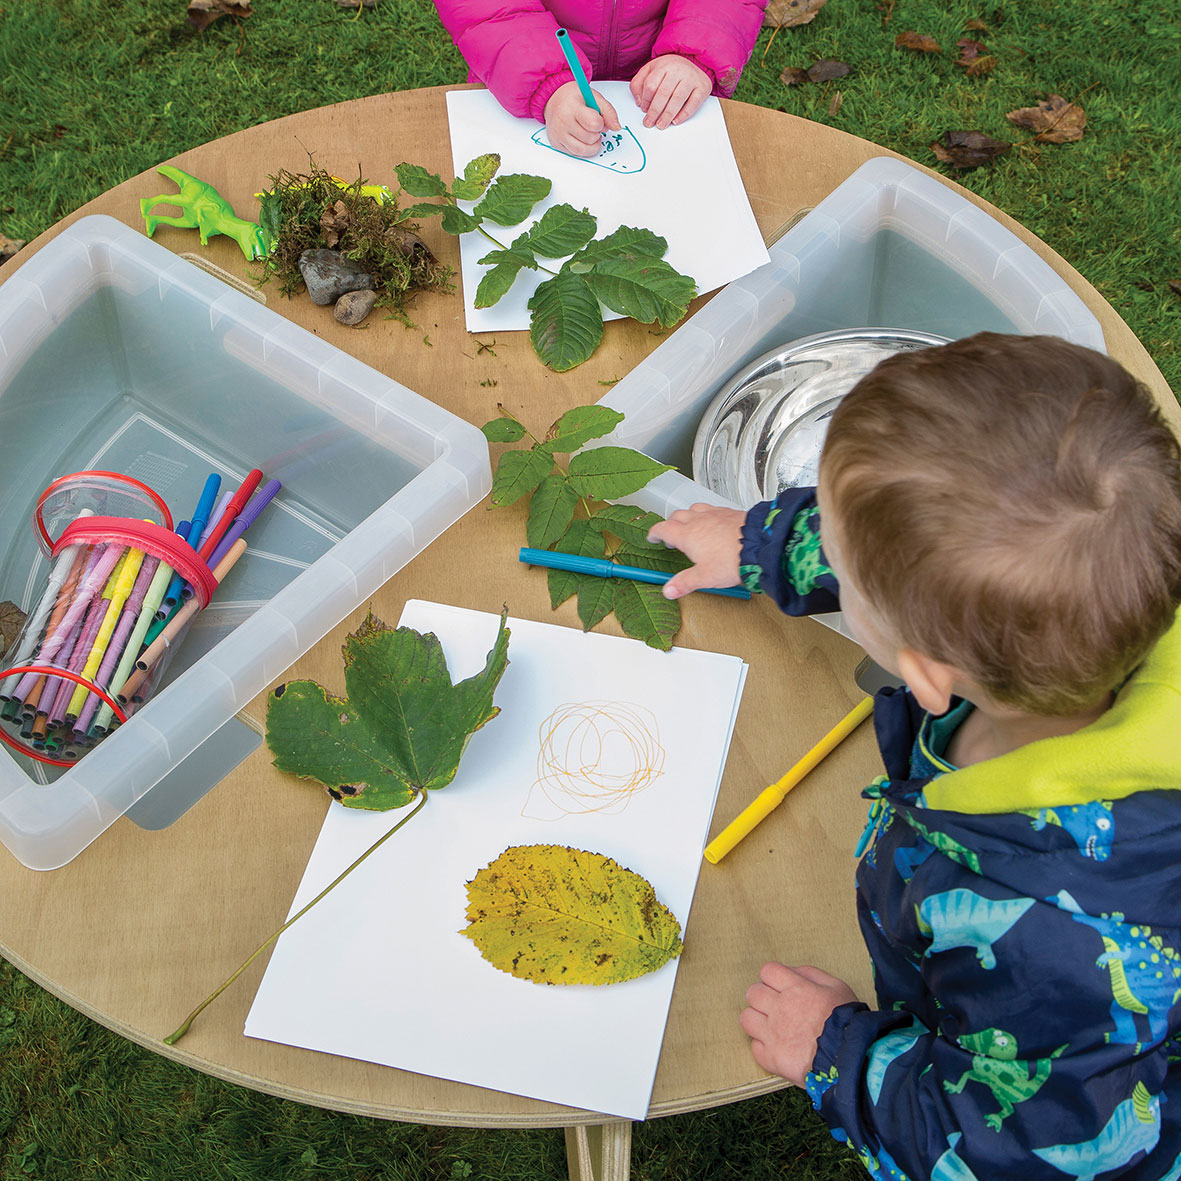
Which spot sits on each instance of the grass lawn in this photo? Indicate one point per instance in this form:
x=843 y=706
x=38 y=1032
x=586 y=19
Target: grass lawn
x=94 y=91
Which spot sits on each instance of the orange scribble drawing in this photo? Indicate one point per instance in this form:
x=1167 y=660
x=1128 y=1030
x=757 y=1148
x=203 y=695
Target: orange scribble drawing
x=593 y=756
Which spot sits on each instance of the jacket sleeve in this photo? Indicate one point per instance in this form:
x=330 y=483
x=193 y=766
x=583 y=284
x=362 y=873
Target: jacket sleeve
x=510 y=46
x=716 y=36
x=782 y=555
x=1015 y=1071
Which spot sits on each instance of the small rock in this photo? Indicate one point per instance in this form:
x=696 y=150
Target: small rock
x=329 y=275
x=354 y=306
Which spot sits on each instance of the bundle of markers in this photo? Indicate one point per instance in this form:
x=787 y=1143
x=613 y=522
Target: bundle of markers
x=120 y=593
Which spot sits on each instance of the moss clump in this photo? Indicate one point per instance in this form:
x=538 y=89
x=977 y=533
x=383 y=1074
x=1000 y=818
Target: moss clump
x=312 y=210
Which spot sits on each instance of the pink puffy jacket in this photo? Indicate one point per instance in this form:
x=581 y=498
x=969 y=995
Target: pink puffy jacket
x=510 y=46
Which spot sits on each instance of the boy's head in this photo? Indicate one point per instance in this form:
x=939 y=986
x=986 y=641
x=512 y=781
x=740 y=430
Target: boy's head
x=1011 y=507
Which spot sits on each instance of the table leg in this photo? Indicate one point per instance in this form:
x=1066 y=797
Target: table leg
x=599 y=1152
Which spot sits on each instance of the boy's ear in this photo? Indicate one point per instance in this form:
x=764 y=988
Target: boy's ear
x=930 y=680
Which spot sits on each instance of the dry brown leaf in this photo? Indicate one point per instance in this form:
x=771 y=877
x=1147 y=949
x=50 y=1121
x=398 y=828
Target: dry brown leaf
x=826 y=70
x=1055 y=120
x=9 y=246
x=1175 y=285
x=976 y=25
x=787 y=13
x=12 y=619
x=979 y=66
x=919 y=42
x=333 y=223
x=969 y=50
x=835 y=105
x=968 y=149
x=202 y=13
x=794 y=76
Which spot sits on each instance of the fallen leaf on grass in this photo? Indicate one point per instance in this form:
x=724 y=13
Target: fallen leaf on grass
x=794 y=76
x=1055 y=120
x=919 y=42
x=835 y=105
x=976 y=25
x=1175 y=285
x=787 y=13
x=9 y=246
x=968 y=149
x=202 y=13
x=826 y=70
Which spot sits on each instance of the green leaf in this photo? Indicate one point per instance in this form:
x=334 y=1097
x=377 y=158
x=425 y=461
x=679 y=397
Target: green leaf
x=557 y=915
x=550 y=511
x=629 y=523
x=418 y=182
x=477 y=175
x=423 y=209
x=596 y=598
x=652 y=557
x=270 y=216
x=645 y=614
x=503 y=430
x=566 y=325
x=402 y=728
x=581 y=424
x=495 y=283
x=511 y=199
x=518 y=251
x=561 y=230
x=519 y=472
x=607 y=473
x=645 y=288
x=625 y=241
x=455 y=221
x=583 y=539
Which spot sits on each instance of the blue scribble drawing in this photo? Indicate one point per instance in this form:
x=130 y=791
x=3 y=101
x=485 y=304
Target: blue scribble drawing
x=1145 y=972
x=963 y=918
x=949 y=1167
x=1134 y=1127
x=1090 y=825
x=885 y=1050
x=621 y=151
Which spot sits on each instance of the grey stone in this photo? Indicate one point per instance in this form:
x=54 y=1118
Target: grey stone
x=354 y=306
x=329 y=275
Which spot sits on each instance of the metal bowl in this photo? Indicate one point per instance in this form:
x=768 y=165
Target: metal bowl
x=764 y=430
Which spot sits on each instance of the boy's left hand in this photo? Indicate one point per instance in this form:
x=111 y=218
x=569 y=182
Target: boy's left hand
x=669 y=89
x=788 y=1009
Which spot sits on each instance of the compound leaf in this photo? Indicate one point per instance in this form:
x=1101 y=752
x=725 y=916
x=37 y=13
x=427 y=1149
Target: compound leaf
x=561 y=230
x=643 y=287
x=511 y=199
x=550 y=511
x=418 y=182
x=581 y=424
x=645 y=614
x=607 y=473
x=557 y=915
x=403 y=727
x=519 y=472
x=477 y=175
x=566 y=325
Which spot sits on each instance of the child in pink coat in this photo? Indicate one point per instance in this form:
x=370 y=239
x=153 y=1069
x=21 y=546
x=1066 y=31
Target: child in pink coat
x=675 y=53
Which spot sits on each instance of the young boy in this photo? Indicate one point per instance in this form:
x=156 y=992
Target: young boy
x=1002 y=524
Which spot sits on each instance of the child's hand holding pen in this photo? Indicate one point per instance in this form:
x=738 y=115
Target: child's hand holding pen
x=711 y=537
x=669 y=89
x=574 y=127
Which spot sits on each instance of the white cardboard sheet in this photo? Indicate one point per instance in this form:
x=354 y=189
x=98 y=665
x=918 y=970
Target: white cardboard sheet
x=682 y=183
x=378 y=970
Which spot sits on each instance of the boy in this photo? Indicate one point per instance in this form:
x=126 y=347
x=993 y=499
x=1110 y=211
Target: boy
x=1002 y=523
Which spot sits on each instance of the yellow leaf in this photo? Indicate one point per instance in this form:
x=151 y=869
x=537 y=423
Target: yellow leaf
x=557 y=915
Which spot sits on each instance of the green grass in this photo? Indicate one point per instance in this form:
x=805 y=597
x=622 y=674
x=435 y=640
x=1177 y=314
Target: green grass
x=94 y=91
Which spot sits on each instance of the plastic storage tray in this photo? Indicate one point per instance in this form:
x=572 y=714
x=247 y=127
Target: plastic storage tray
x=889 y=248
x=117 y=355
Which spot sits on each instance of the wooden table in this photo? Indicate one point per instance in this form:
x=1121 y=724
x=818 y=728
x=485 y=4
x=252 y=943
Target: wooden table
x=143 y=924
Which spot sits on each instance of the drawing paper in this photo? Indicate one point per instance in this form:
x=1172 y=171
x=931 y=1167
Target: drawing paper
x=379 y=971
x=682 y=183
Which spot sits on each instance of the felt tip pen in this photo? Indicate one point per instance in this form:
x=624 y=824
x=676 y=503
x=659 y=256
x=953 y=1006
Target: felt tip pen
x=576 y=69
x=602 y=568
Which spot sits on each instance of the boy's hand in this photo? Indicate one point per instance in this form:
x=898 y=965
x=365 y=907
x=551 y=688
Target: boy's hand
x=574 y=127
x=669 y=89
x=711 y=536
x=788 y=1009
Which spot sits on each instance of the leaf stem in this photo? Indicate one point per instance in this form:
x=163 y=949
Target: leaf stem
x=500 y=245
x=177 y=1034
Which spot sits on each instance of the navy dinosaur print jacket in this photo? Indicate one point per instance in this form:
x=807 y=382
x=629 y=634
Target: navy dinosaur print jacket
x=1023 y=917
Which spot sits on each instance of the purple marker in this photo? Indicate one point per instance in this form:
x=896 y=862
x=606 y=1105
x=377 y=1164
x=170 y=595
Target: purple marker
x=94 y=620
x=245 y=519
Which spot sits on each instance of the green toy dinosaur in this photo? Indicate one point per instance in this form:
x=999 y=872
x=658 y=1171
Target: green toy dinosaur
x=204 y=209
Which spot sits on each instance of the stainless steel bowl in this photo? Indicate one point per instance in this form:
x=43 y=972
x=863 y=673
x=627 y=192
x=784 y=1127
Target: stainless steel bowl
x=764 y=430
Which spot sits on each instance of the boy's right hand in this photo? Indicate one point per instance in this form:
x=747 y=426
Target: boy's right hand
x=572 y=126
x=711 y=536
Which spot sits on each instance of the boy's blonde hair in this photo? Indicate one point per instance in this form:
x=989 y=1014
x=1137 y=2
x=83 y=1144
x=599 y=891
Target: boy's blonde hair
x=1011 y=506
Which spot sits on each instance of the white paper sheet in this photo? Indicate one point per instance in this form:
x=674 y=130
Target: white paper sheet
x=681 y=183
x=378 y=970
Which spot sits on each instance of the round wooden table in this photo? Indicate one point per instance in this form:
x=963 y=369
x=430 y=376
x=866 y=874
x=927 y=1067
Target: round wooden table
x=143 y=924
